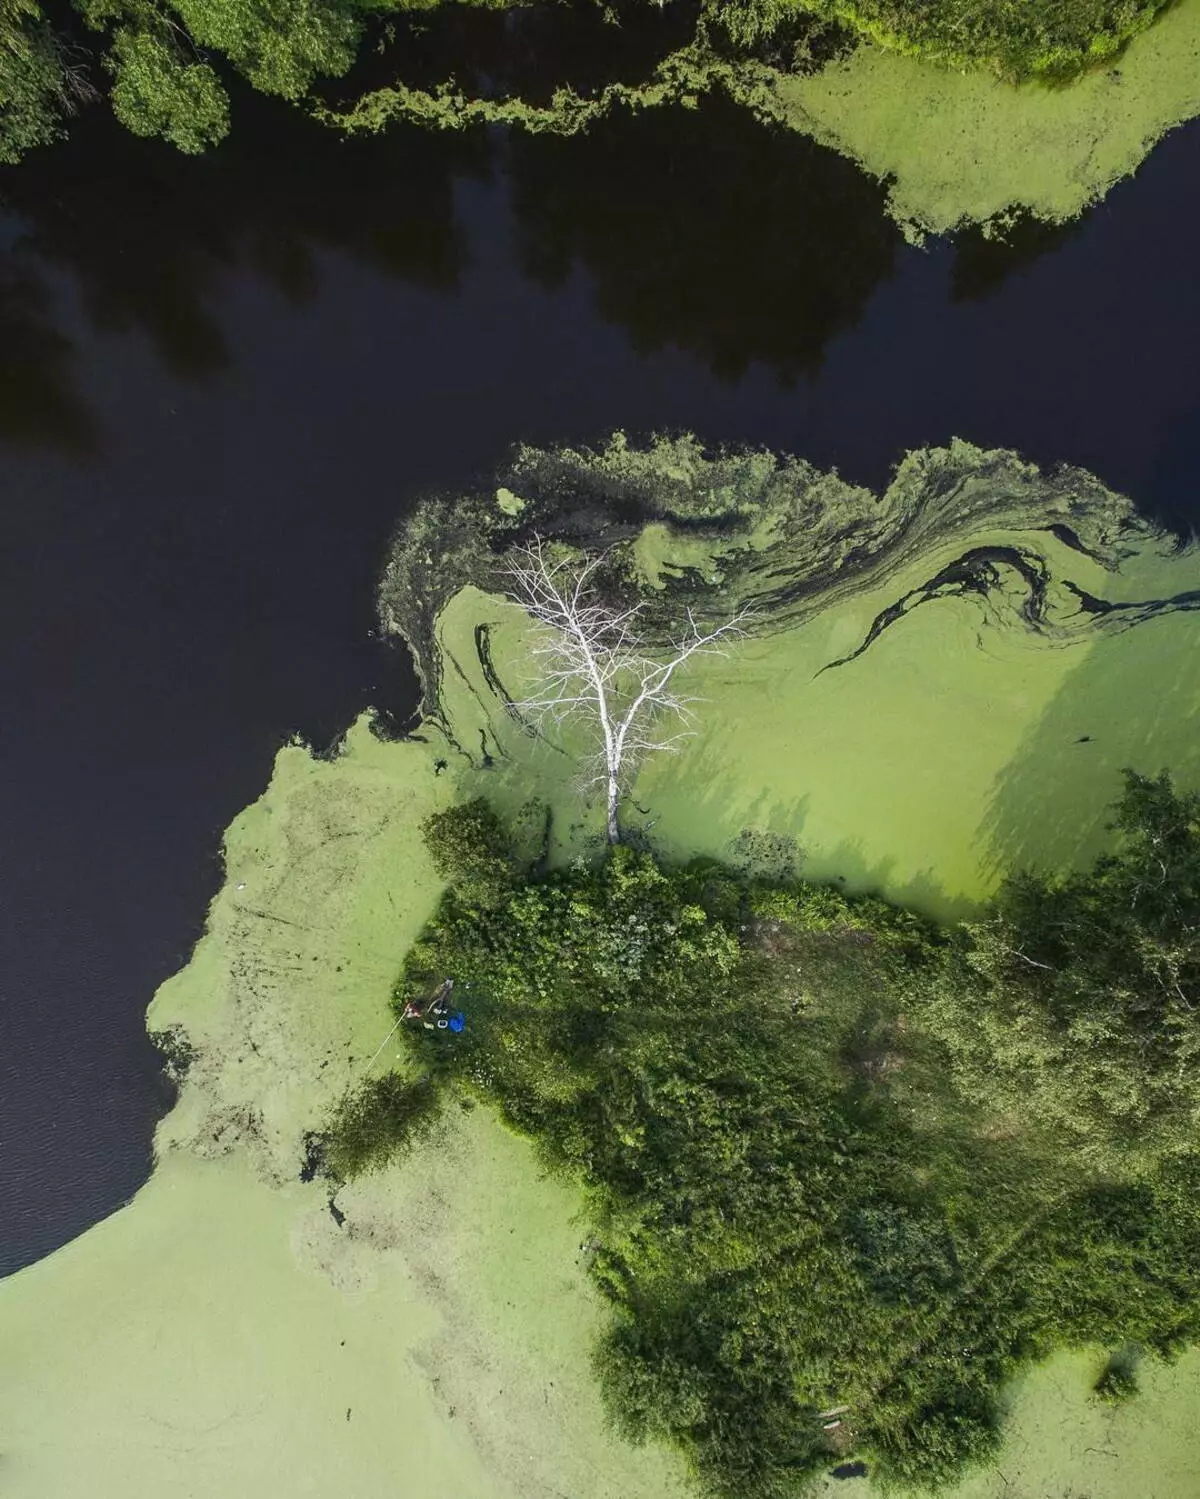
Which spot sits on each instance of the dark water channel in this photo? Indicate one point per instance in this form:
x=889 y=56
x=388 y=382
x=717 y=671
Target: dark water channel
x=221 y=380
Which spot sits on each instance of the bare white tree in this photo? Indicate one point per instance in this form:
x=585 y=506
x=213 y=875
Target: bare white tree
x=594 y=664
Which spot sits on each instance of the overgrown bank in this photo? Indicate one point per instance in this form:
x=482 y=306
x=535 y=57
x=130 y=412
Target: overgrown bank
x=167 y=70
x=834 y=1207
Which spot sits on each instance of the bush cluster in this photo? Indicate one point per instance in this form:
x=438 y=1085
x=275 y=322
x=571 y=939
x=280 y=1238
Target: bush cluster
x=817 y=1235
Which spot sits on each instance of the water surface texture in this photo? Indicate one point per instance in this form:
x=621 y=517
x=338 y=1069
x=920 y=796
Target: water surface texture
x=222 y=380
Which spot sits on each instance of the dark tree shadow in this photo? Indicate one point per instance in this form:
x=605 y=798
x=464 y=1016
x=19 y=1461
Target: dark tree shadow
x=148 y=234
x=984 y=262
x=1169 y=495
x=1133 y=700
x=39 y=404
x=707 y=231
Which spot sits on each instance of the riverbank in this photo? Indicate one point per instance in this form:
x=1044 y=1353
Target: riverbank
x=226 y=1326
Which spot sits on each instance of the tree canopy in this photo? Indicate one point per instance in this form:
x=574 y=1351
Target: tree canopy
x=823 y=1225
x=33 y=80
x=169 y=61
x=1079 y=995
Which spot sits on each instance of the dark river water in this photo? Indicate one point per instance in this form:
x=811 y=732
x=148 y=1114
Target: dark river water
x=222 y=380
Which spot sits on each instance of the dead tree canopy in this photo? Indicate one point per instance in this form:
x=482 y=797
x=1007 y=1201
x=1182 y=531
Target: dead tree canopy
x=593 y=664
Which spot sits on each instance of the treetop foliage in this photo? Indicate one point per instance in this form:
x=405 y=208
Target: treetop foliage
x=471 y=850
x=822 y=1228
x=1085 y=988
x=34 y=91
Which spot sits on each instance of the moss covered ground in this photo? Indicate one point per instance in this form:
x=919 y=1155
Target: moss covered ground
x=962 y=147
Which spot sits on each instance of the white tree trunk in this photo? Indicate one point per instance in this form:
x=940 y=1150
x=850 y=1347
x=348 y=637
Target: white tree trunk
x=598 y=667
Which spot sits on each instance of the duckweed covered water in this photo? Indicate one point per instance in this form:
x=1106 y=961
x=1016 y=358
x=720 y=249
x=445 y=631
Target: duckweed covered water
x=224 y=1335
x=966 y=147
x=947 y=684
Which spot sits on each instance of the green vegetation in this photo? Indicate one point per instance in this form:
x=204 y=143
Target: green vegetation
x=959 y=146
x=1077 y=997
x=157 y=92
x=1024 y=39
x=1119 y=1382
x=468 y=846
x=170 y=60
x=819 y=1235
x=33 y=82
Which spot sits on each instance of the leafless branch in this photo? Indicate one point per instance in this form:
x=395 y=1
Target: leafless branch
x=594 y=664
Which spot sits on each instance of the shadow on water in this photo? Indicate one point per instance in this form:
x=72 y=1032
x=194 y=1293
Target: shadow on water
x=1132 y=701
x=40 y=404
x=722 y=822
x=147 y=234
x=984 y=262
x=703 y=231
x=689 y=248
x=527 y=52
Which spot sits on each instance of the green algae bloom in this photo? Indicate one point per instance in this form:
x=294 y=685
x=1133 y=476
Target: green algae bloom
x=223 y=1333
x=943 y=682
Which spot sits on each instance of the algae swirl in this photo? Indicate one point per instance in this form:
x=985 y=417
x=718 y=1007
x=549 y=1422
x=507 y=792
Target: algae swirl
x=930 y=667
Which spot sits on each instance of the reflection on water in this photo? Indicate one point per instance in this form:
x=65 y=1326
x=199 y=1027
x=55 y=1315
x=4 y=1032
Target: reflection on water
x=526 y=52
x=691 y=246
x=983 y=261
x=39 y=402
x=702 y=230
x=146 y=234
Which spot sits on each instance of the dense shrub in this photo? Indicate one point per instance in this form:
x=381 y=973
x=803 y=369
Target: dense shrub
x=1118 y=1383
x=1052 y=39
x=797 y=1210
x=472 y=851
x=1078 y=997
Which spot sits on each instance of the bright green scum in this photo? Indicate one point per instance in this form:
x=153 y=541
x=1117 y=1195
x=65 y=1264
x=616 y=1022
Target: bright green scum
x=1037 y=638
x=223 y=1335
x=959 y=147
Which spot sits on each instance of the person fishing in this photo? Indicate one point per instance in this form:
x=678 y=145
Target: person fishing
x=435 y=1014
